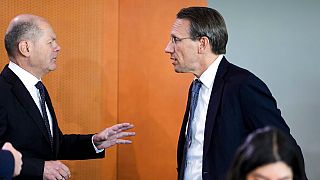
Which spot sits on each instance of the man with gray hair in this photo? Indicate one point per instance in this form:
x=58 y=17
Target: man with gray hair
x=27 y=117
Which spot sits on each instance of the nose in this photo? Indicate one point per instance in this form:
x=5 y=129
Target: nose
x=169 y=48
x=57 y=47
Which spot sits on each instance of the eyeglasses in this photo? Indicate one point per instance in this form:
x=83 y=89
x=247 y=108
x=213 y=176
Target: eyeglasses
x=174 y=40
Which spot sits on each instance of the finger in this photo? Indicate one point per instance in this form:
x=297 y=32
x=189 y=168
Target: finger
x=126 y=128
x=20 y=159
x=123 y=134
x=59 y=173
x=122 y=127
x=107 y=144
x=59 y=177
x=64 y=171
x=7 y=146
x=55 y=173
x=19 y=155
x=123 y=141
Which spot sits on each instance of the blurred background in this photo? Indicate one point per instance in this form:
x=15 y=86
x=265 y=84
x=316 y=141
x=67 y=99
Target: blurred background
x=112 y=68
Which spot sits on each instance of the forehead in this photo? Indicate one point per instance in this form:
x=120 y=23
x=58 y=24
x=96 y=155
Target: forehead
x=274 y=170
x=180 y=28
x=46 y=30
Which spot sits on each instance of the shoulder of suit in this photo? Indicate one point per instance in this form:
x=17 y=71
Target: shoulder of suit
x=236 y=71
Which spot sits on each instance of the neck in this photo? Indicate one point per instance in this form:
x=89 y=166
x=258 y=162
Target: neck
x=24 y=65
x=206 y=62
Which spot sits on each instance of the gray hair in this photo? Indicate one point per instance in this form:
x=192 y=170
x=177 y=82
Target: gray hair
x=24 y=30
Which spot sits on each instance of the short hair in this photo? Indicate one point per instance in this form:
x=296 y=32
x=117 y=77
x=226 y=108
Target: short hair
x=206 y=22
x=265 y=146
x=24 y=30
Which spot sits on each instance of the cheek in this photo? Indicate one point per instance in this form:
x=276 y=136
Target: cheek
x=181 y=52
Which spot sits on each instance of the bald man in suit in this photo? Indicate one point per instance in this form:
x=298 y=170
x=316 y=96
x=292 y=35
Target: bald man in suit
x=27 y=117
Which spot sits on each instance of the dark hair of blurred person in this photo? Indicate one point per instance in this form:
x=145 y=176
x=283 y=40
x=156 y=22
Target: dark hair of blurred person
x=267 y=153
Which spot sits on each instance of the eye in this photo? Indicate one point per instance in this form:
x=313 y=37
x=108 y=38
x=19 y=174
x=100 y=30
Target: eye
x=52 y=41
x=174 y=39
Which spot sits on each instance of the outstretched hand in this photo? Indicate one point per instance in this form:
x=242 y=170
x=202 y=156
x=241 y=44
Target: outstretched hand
x=113 y=135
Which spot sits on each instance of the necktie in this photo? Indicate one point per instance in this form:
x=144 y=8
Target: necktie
x=196 y=85
x=40 y=86
x=194 y=100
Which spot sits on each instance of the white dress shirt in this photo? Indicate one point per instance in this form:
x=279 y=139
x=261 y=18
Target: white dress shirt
x=29 y=81
x=193 y=170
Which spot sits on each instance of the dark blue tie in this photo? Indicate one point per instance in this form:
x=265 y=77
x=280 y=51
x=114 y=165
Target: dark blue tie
x=40 y=86
x=196 y=85
x=194 y=101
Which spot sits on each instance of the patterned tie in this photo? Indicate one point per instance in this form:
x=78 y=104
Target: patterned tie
x=40 y=86
x=194 y=100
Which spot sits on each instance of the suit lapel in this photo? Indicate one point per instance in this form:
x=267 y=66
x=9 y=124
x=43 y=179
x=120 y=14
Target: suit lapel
x=214 y=104
x=25 y=99
x=182 y=136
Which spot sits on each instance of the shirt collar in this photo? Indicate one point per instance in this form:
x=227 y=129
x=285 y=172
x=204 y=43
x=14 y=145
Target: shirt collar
x=208 y=76
x=27 y=78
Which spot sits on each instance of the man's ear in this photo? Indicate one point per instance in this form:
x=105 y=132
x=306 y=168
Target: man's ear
x=24 y=48
x=204 y=44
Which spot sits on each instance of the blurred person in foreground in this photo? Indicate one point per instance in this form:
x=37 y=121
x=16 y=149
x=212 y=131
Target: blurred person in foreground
x=267 y=154
x=10 y=161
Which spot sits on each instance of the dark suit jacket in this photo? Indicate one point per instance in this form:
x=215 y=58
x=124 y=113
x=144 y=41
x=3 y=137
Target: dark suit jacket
x=239 y=103
x=6 y=164
x=21 y=124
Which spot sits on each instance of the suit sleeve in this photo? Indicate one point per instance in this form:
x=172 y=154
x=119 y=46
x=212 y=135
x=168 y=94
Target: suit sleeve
x=77 y=146
x=260 y=108
x=6 y=164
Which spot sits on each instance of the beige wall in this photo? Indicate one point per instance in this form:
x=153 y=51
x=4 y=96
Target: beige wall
x=112 y=68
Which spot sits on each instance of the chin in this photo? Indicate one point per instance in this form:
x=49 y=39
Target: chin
x=53 y=67
x=177 y=70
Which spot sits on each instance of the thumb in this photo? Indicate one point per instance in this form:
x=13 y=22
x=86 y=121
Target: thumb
x=7 y=146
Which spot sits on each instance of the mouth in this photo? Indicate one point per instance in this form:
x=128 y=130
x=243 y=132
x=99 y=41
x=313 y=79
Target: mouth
x=54 y=56
x=173 y=60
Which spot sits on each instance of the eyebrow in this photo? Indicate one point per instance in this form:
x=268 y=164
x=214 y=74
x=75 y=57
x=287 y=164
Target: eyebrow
x=172 y=35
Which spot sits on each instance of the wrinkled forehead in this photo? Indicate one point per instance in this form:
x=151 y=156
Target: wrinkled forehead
x=180 y=28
